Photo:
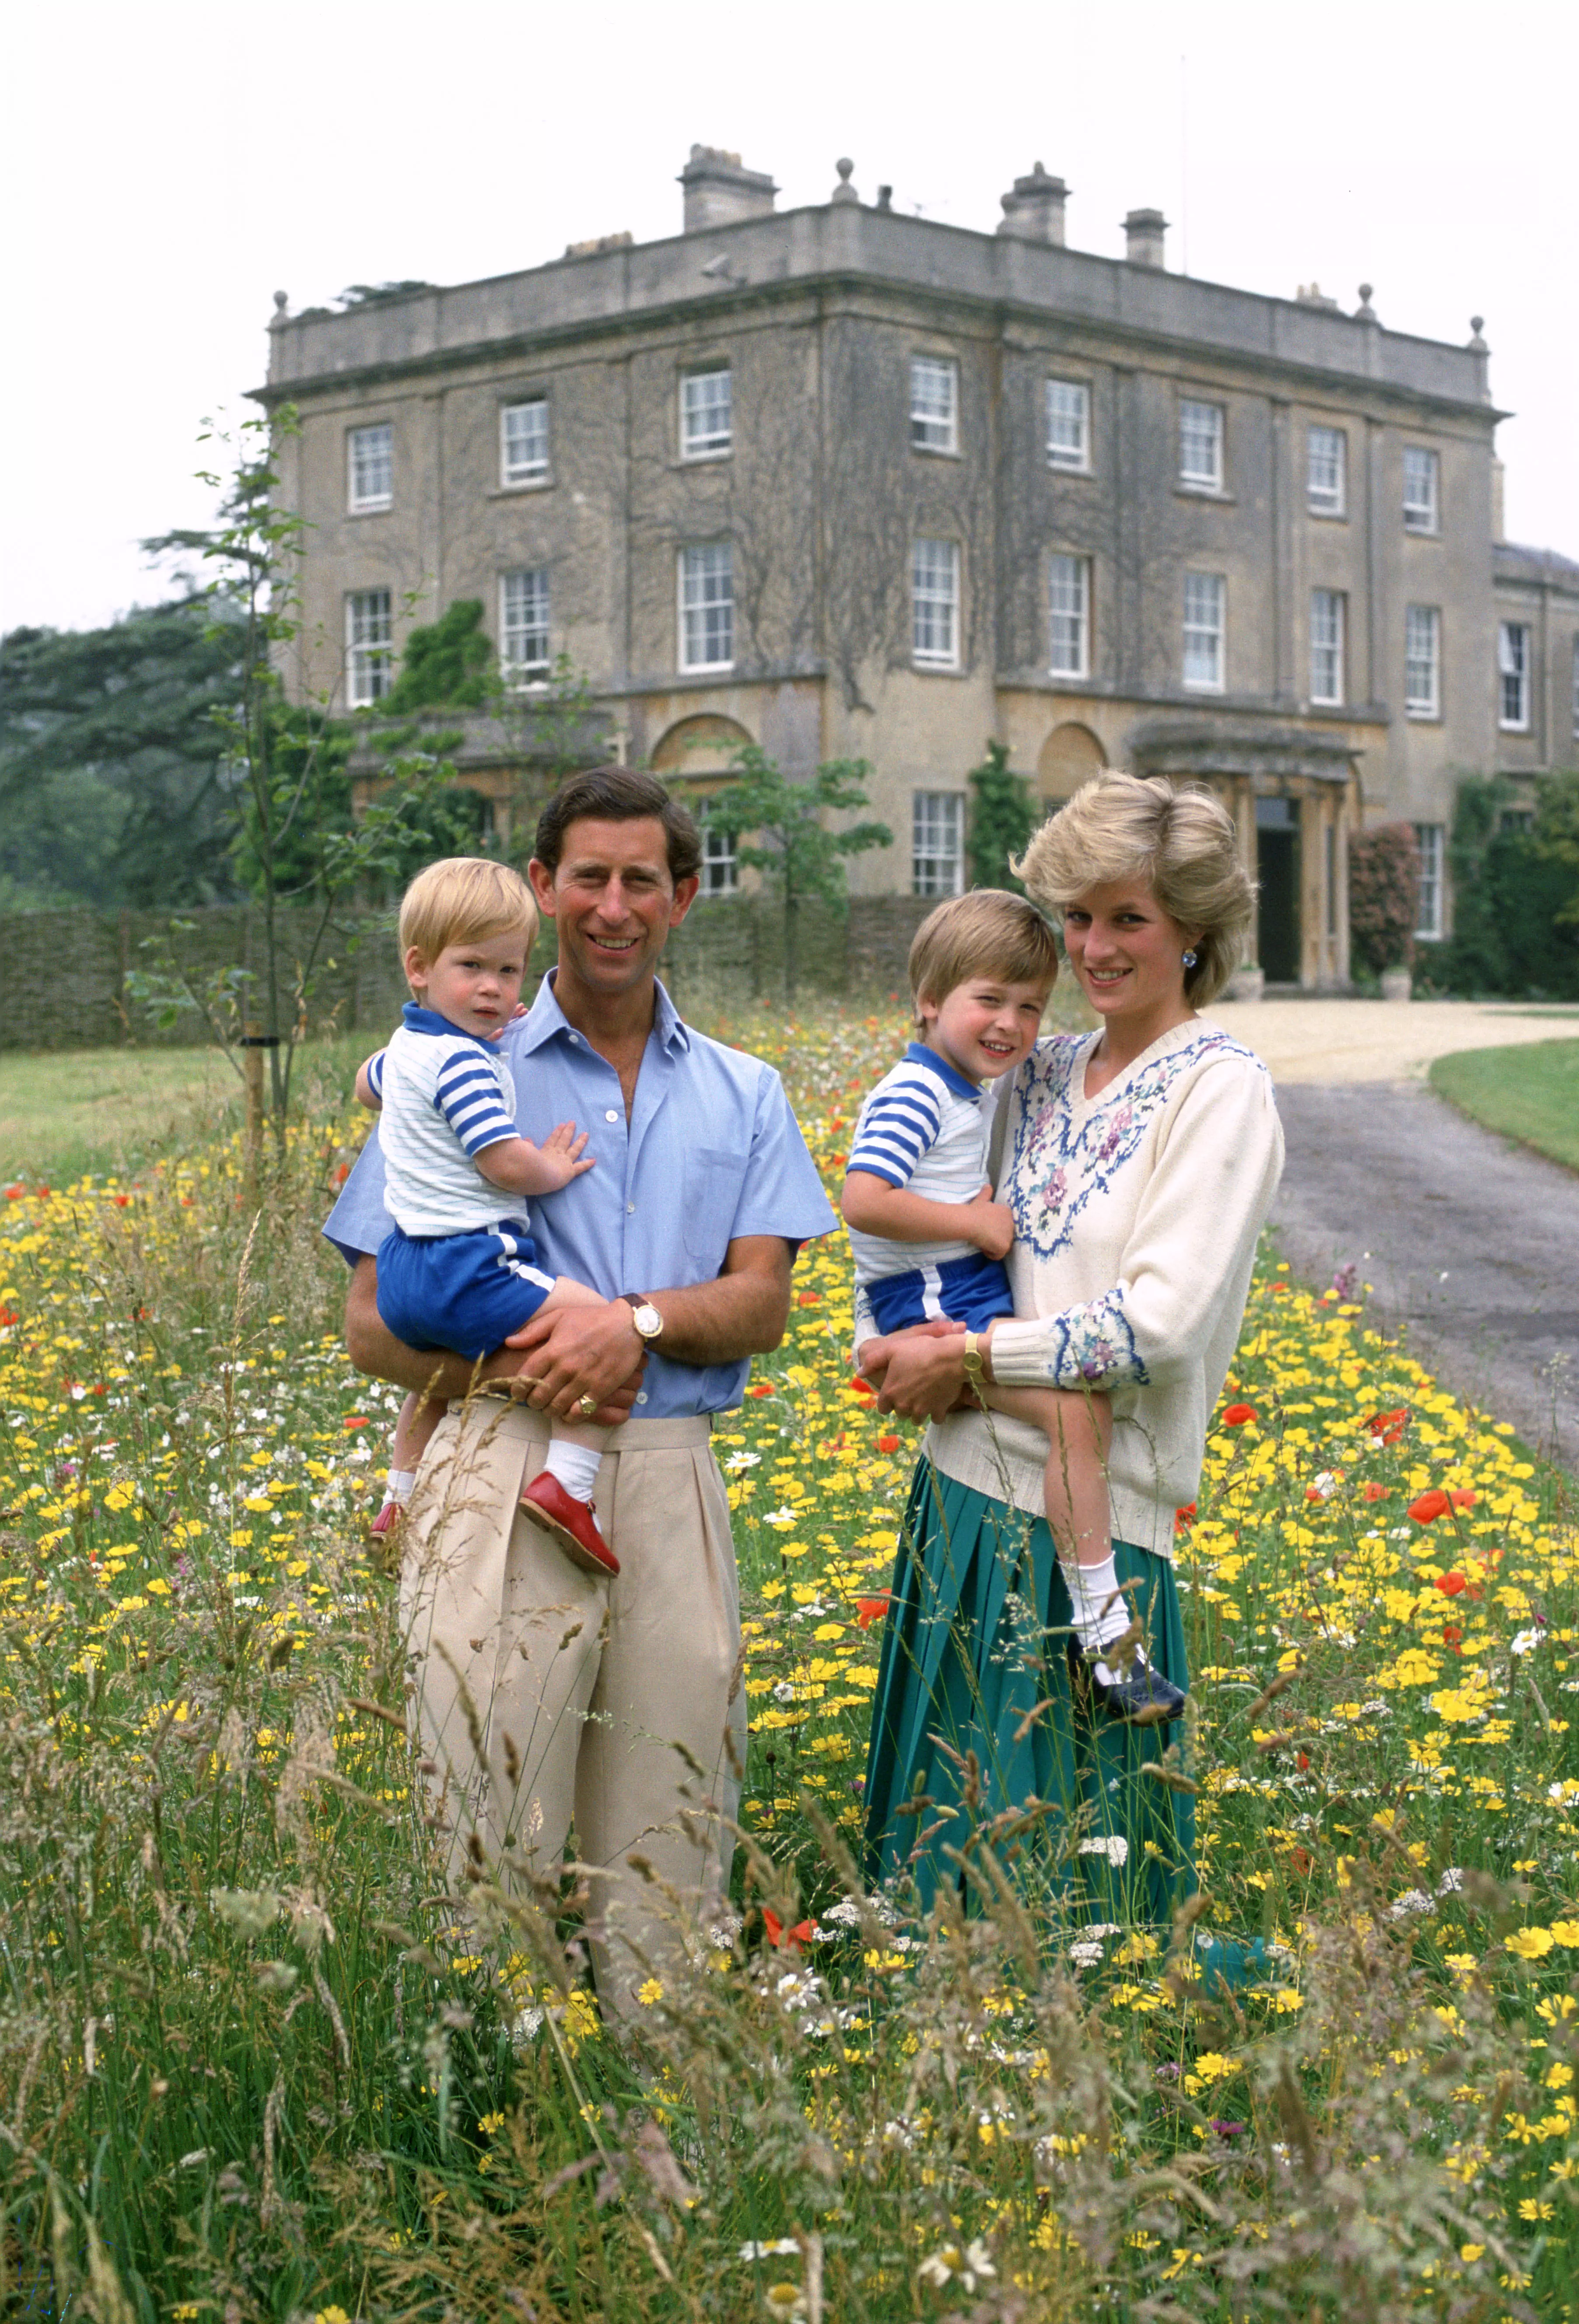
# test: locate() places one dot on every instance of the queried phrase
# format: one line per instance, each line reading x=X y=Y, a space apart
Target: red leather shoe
x=572 y=1523
x=388 y=1517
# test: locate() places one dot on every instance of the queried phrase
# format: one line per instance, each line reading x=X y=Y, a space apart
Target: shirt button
x=630 y=1210
x=641 y=1396
x=611 y=1115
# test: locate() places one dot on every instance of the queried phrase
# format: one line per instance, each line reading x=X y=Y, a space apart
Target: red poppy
x=1387 y=1427
x=1301 y=1760
x=1451 y=1635
x=1300 y=1860
x=872 y=1609
x=342 y=1174
x=762 y=1388
x=1237 y=1415
x=354 y=1420
x=778 y=1934
x=1430 y=1506
x=122 y=1201
x=888 y=1445
x=861 y=1386
x=16 y=1194
x=810 y=1299
x=1450 y=1584
x=1182 y=1519
x=7 y=1317
x=1462 y=1498
x=1375 y=1492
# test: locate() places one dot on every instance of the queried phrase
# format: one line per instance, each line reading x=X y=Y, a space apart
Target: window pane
x=1204 y=594
x=707 y=606
x=935 y=601
x=707 y=413
x=372 y=464
x=523 y=441
x=720 y=860
x=369 y=646
x=1200 y=443
x=1420 y=478
x=1068 y=424
x=523 y=623
x=1069 y=613
x=1513 y=673
x=1326 y=645
x=937 y=844
x=933 y=384
x=1431 y=839
x=1327 y=448
x=1422 y=639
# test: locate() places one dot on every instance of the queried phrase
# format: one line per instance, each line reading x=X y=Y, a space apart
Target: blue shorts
x=468 y=1291
x=970 y=1291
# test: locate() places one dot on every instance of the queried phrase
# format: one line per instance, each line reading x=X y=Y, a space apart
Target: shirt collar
x=545 y=1020
x=418 y=1020
x=919 y=1054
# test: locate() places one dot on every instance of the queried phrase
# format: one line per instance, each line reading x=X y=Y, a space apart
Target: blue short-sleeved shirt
x=711 y=1152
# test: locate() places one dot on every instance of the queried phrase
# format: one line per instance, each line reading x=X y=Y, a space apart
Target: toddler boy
x=458 y=1269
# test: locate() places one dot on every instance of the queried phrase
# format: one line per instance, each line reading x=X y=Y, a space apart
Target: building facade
x=849 y=483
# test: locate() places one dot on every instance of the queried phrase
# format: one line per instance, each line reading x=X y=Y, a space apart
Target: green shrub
x=1384 y=888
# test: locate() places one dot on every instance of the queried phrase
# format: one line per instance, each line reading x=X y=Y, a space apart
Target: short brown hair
x=1181 y=842
x=619 y=794
x=462 y=899
x=986 y=933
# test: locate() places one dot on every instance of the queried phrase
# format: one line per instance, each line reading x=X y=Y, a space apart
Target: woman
x=1140 y=1162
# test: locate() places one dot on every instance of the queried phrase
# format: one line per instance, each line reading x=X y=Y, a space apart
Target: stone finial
x=885 y=198
x=1365 y=312
x=1143 y=234
x=844 y=191
x=1477 y=346
x=1033 y=209
x=281 y=301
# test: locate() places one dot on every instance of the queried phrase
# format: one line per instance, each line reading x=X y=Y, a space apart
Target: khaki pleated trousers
x=546 y=1692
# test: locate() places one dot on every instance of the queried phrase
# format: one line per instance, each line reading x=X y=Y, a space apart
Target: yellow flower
x=649 y=1993
x=1529 y=1944
x=1566 y=1933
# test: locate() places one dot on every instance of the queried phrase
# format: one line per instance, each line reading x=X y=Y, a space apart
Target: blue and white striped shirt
x=922 y=1128
x=447 y=1094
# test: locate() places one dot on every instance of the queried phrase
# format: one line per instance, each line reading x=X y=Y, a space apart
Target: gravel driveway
x=1472 y=1242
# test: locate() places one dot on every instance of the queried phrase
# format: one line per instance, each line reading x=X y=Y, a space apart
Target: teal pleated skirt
x=974 y=1663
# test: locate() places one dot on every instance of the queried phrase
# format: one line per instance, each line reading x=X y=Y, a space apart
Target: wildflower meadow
x=256 y=2063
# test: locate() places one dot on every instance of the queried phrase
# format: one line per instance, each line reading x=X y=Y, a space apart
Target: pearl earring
x=1188 y=958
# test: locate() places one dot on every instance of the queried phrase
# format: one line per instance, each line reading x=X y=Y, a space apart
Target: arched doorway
x=1069 y=757
x=698 y=756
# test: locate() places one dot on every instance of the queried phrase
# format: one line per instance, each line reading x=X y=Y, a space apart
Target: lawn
x=253 y=2064
x=1529 y=1094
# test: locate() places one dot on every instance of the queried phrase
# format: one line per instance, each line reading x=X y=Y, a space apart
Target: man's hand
x=920 y=1372
x=580 y=1351
x=988 y=1224
x=373 y=1349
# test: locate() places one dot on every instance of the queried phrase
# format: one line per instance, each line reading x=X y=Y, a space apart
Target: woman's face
x=1126 y=953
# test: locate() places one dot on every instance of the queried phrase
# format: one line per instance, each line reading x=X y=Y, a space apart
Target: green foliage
x=1384 y=888
x=448 y=664
x=1002 y=817
x=113 y=778
x=1515 y=894
x=782 y=830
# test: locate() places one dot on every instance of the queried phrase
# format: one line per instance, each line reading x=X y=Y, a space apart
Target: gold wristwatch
x=645 y=1316
x=971 y=1357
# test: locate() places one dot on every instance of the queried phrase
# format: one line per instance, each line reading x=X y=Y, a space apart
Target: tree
x=781 y=830
x=448 y=664
x=1002 y=817
x=113 y=772
x=1384 y=895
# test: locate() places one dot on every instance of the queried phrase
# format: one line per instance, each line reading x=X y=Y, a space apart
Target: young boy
x=458 y=1269
x=929 y=1238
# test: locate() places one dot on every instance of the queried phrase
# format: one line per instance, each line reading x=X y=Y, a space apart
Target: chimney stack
x=720 y=193
x=1143 y=233
x=1034 y=210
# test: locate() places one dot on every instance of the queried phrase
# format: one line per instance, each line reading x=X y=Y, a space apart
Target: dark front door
x=1277 y=870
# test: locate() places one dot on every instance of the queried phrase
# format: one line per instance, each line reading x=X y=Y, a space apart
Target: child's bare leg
x=560 y=1497
x=419 y=1416
x=1079 y=1431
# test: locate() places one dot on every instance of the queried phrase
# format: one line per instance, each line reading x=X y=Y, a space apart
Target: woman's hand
x=920 y=1373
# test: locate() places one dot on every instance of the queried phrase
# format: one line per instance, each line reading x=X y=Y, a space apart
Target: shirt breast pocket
x=714 y=1178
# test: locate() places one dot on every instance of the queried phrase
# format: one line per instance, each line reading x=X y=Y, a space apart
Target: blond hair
x=1182 y=842
x=986 y=933
x=462 y=899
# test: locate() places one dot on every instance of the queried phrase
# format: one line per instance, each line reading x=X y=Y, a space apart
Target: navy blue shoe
x=1144 y=1698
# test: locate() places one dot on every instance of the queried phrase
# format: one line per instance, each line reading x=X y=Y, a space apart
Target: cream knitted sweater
x=1137 y=1213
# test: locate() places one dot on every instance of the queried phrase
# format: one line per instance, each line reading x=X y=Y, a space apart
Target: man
x=546 y=1691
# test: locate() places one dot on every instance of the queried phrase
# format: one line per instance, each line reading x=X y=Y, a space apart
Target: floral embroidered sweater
x=1137 y=1213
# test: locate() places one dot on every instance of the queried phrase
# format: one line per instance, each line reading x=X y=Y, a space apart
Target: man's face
x=612 y=901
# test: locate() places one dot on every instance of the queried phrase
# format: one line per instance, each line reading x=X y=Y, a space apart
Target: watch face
x=647 y=1320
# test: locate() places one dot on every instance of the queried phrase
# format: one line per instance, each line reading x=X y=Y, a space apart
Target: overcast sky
x=165 y=168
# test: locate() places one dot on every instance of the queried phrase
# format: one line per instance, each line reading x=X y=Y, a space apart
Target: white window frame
x=1074 y=415
x=1326 y=469
x=720 y=867
x=1068 y=616
x=1422 y=661
x=365 y=463
x=937 y=844
x=934 y=603
x=1192 y=422
x=707 y=412
x=1423 y=508
x=1431 y=839
x=706 y=611
x=1206 y=624
x=369 y=646
x=934 y=405
x=517 y=469
x=1513 y=687
x=1329 y=621
x=523 y=621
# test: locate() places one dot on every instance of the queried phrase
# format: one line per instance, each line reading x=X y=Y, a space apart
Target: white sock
x=1101 y=1610
x=399 y=1485
x=575 y=1467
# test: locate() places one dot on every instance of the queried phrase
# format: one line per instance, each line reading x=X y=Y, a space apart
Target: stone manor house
x=851 y=484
